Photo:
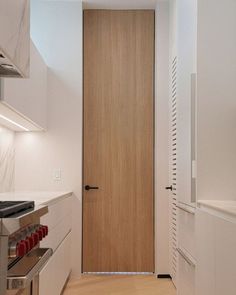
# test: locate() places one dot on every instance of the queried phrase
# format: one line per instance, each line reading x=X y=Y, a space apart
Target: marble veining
x=7 y=160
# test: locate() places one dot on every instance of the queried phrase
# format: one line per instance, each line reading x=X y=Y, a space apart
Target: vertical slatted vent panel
x=173 y=160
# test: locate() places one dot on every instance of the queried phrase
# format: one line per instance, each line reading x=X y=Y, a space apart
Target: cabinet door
x=205 y=237
x=29 y=96
x=15 y=35
x=54 y=275
x=216 y=103
x=225 y=257
x=186 y=230
x=186 y=277
x=186 y=39
x=216 y=244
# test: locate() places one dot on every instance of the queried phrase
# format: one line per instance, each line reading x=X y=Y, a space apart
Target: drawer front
x=186 y=277
x=57 y=212
x=186 y=230
x=57 y=234
x=54 y=275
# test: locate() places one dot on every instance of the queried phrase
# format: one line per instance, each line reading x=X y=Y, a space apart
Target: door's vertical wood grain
x=118 y=219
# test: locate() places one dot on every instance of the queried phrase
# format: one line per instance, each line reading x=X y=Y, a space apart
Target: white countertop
x=40 y=198
x=226 y=207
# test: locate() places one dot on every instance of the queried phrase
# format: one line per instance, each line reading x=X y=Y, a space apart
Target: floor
x=120 y=285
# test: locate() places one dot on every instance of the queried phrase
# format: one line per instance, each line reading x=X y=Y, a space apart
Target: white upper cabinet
x=14 y=38
x=26 y=99
x=216 y=99
x=206 y=37
x=186 y=74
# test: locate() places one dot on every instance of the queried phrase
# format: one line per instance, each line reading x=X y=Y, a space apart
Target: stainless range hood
x=14 y=38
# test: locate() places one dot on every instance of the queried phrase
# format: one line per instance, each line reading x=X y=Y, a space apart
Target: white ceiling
x=120 y=4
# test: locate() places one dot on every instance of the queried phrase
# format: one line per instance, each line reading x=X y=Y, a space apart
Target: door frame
x=161 y=230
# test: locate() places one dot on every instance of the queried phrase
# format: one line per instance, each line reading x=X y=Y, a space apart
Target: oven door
x=22 y=278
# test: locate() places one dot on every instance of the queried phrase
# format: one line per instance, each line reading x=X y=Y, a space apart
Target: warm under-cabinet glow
x=14 y=123
x=13 y=120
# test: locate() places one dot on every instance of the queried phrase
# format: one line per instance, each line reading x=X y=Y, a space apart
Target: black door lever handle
x=88 y=187
x=169 y=187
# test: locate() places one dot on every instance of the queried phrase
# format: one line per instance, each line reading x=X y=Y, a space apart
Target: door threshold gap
x=119 y=273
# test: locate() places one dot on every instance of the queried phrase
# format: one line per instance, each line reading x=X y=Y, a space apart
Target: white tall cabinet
x=206 y=42
x=186 y=13
x=216 y=144
x=187 y=59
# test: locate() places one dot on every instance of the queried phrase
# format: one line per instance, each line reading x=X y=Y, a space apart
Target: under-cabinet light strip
x=14 y=123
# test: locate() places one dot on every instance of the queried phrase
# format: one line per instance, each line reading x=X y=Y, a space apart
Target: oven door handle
x=18 y=276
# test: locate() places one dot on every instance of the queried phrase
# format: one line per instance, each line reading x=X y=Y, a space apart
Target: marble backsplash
x=7 y=160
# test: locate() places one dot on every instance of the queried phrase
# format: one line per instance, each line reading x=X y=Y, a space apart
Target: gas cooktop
x=9 y=208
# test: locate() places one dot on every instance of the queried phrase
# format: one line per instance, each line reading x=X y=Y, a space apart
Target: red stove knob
x=27 y=243
x=35 y=237
x=43 y=231
x=40 y=233
x=46 y=229
x=31 y=242
x=21 y=249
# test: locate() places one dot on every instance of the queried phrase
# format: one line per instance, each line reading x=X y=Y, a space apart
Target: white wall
x=56 y=29
x=162 y=138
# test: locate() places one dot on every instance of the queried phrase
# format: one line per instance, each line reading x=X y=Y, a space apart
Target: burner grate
x=8 y=208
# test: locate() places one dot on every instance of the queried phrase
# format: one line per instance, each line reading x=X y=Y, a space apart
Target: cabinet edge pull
x=190 y=261
x=190 y=211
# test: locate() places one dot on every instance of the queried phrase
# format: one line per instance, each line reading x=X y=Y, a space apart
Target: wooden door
x=118 y=218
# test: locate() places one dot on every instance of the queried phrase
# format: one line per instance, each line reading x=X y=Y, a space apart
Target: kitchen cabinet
x=205 y=279
x=27 y=98
x=206 y=157
x=186 y=32
x=186 y=250
x=186 y=274
x=58 y=268
x=225 y=258
x=186 y=229
x=216 y=244
x=186 y=70
x=206 y=91
x=59 y=223
x=14 y=38
x=216 y=103
x=54 y=275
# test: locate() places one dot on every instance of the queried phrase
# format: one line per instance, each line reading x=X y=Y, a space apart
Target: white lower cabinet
x=225 y=253
x=54 y=275
x=216 y=247
x=186 y=276
x=186 y=229
x=205 y=278
x=186 y=250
